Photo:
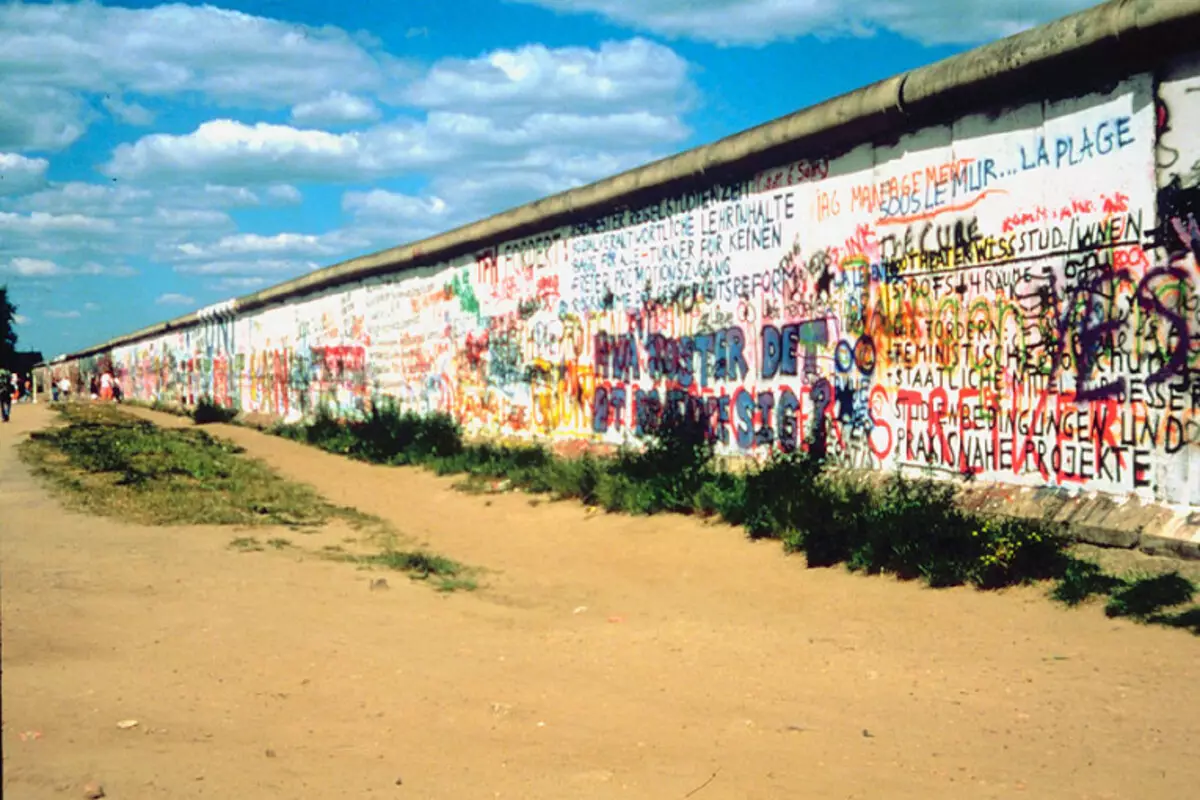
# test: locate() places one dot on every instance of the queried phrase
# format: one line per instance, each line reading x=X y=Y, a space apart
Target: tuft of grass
x=279 y=543
x=246 y=544
x=1082 y=580
x=105 y=462
x=443 y=573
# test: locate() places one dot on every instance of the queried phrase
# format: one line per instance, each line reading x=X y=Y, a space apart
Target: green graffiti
x=461 y=287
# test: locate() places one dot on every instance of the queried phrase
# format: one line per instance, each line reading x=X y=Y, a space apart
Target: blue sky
x=159 y=158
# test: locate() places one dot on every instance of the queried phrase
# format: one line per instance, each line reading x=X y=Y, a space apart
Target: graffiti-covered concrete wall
x=1009 y=293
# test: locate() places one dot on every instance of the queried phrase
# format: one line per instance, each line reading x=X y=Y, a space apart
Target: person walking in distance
x=6 y=378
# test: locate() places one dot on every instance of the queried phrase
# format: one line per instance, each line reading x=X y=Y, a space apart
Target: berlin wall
x=1003 y=291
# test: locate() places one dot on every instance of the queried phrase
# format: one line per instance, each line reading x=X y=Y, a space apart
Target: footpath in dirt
x=602 y=656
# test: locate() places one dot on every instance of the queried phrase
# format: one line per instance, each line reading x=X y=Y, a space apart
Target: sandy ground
x=603 y=657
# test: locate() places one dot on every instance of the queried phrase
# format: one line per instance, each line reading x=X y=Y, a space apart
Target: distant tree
x=8 y=334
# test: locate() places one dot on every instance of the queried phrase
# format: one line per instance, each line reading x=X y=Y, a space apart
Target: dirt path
x=604 y=657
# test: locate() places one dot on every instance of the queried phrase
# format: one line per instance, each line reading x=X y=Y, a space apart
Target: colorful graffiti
x=1016 y=302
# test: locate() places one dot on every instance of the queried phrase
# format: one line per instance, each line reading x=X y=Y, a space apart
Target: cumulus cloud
x=174 y=299
x=229 y=151
x=243 y=269
x=27 y=267
x=129 y=113
x=20 y=319
x=755 y=22
x=335 y=108
x=591 y=103
x=40 y=223
x=123 y=200
x=284 y=194
x=243 y=284
x=80 y=223
x=21 y=175
x=242 y=244
x=36 y=117
x=228 y=57
x=632 y=75
x=386 y=206
x=111 y=270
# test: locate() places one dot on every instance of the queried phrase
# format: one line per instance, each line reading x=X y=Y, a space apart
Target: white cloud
x=40 y=222
x=335 y=108
x=243 y=244
x=20 y=175
x=36 y=117
x=243 y=284
x=379 y=204
x=417 y=33
x=284 y=194
x=620 y=97
x=52 y=314
x=33 y=267
x=26 y=267
x=228 y=57
x=174 y=299
x=754 y=22
x=632 y=75
x=78 y=222
x=20 y=319
x=110 y=270
x=275 y=267
x=91 y=306
x=122 y=200
x=129 y=113
x=229 y=151
x=188 y=219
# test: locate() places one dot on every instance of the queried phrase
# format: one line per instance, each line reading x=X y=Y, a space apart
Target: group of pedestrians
x=101 y=386
x=16 y=388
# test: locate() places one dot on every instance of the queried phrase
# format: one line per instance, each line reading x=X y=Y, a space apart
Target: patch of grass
x=385 y=436
x=246 y=544
x=443 y=573
x=279 y=543
x=105 y=462
x=1082 y=580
